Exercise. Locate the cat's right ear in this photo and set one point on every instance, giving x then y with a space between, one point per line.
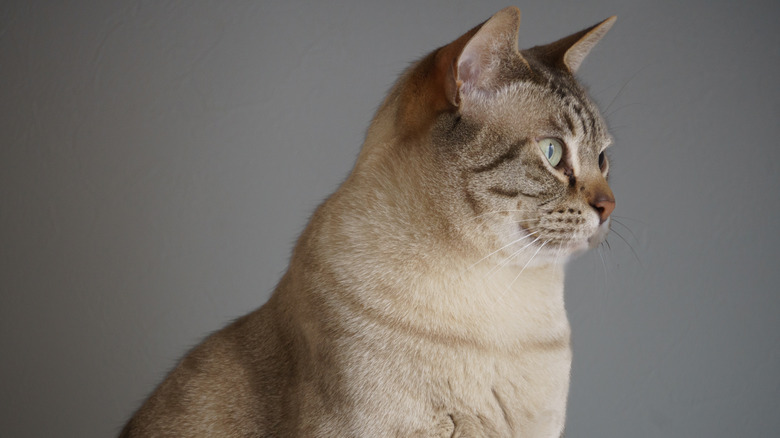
471 61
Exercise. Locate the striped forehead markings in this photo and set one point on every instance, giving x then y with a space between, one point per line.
569 122
573 99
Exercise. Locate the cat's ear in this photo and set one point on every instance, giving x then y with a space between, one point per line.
472 60
569 52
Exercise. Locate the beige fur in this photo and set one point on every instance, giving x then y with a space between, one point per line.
425 297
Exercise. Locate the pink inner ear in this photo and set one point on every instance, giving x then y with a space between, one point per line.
469 68
468 62
474 63
495 39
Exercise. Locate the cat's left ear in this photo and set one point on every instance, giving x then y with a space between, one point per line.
472 60
569 52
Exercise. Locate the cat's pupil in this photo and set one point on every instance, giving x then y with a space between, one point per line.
601 160
550 150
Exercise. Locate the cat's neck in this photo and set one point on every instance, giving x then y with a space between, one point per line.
385 255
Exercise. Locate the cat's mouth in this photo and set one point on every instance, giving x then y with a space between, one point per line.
569 239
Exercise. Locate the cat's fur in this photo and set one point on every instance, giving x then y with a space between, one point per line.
425 297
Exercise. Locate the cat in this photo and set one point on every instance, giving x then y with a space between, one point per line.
425 296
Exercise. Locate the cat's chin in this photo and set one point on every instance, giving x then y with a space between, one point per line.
600 235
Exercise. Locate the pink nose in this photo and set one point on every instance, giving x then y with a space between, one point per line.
603 203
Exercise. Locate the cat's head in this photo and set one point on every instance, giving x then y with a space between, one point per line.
513 142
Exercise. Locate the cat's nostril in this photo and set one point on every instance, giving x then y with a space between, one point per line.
604 205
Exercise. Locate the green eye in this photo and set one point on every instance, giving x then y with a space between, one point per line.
552 149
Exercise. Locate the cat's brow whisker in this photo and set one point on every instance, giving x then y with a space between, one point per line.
616 128
620 91
628 105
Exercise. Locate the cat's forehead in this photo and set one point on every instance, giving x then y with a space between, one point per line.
550 108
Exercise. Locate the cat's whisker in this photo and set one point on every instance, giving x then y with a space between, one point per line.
633 251
615 128
503 222
495 212
636 239
628 105
604 263
629 218
547 201
526 265
510 257
472 222
498 250
620 91
514 254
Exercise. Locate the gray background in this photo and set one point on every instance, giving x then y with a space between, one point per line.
157 161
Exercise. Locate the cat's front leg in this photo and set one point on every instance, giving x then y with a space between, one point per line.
472 426
458 425
443 427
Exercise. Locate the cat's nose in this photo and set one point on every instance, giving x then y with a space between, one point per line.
603 201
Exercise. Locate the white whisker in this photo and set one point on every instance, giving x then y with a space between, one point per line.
636 256
511 256
603 265
499 249
526 265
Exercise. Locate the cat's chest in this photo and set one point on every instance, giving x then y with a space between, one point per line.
479 354
509 394
482 392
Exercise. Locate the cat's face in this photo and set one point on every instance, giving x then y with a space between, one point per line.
527 147
531 168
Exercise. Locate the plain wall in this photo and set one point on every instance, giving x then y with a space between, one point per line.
158 159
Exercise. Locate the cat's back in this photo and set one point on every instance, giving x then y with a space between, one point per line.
233 384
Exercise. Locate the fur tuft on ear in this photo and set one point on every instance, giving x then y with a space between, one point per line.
569 52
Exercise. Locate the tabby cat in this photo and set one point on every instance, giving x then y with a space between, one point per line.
425 296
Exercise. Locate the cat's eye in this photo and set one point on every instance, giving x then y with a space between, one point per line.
552 150
602 161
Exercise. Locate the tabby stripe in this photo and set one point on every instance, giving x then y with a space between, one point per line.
554 122
585 117
504 192
472 201
509 155
559 91
569 122
570 97
578 109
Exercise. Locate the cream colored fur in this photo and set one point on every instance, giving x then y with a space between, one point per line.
405 311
